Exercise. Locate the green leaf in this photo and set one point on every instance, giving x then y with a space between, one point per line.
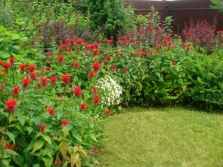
36 165
30 146
93 137
47 138
22 119
5 163
38 144
73 159
11 136
63 147
4 55
48 161
11 152
59 114
19 160
29 129
77 136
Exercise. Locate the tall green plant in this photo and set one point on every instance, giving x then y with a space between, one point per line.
6 16
217 4
112 15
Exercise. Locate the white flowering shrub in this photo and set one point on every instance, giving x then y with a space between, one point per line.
110 91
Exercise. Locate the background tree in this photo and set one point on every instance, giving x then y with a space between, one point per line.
217 4
112 14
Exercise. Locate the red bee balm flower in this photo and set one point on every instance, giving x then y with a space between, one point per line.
53 79
76 65
66 79
57 162
11 105
11 60
77 91
108 57
94 149
125 69
42 128
22 67
10 147
64 122
107 112
60 59
51 111
83 106
96 66
31 67
94 90
15 90
96 99
25 82
33 75
95 52
43 81
91 74
174 63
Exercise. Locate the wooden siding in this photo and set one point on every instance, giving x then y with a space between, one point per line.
181 11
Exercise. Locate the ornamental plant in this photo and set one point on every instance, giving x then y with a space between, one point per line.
110 91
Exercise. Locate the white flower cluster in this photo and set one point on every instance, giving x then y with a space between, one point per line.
110 91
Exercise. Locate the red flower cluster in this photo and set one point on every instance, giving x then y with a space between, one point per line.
11 60
53 79
60 59
51 111
69 42
76 64
80 41
125 69
94 90
31 67
83 106
64 122
77 91
95 52
15 90
174 63
43 81
32 75
96 66
25 82
66 79
107 112
96 99
106 41
10 147
42 128
108 57
91 74
57 162
94 149
11 105
22 67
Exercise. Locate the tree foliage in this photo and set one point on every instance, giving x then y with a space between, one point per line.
217 4
112 14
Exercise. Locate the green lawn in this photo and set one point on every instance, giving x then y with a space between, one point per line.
168 137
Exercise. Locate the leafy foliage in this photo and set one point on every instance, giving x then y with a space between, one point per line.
217 4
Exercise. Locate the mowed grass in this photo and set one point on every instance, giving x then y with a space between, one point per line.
168 137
